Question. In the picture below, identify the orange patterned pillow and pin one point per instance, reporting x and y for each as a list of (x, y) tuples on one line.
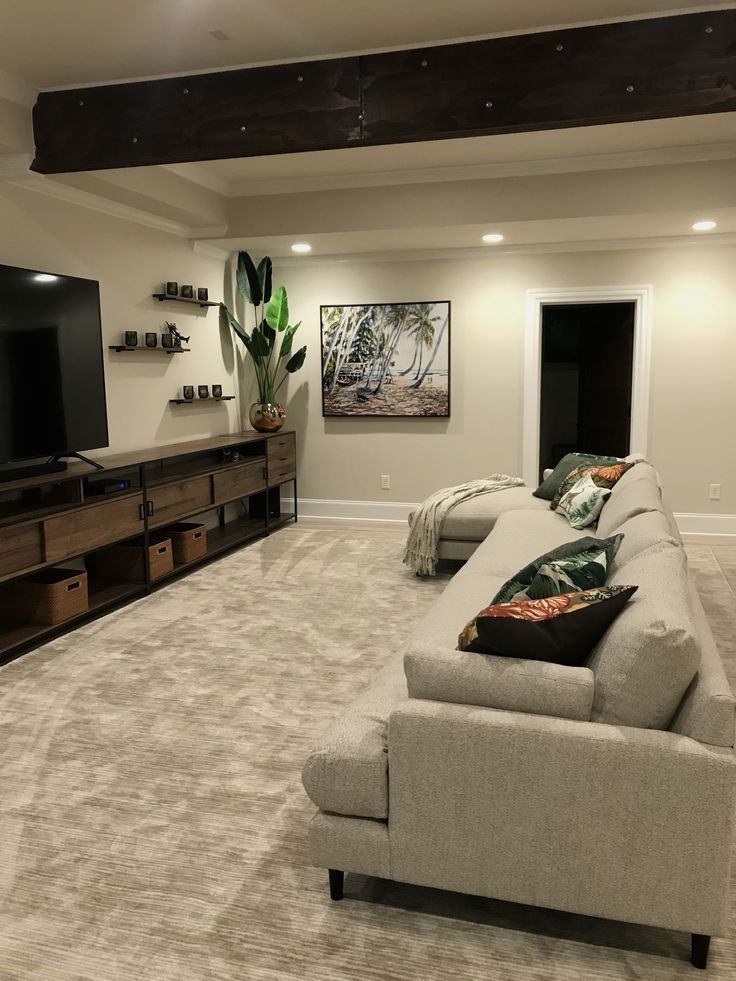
[(605, 476), (562, 629)]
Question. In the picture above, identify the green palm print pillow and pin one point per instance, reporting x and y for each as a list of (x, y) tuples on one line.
[(584, 563)]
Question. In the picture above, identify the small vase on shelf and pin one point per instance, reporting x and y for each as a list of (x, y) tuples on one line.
[(266, 417)]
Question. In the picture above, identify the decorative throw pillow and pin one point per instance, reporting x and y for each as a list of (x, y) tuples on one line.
[(605, 476), (585, 563), (550, 485), (562, 629), (583, 502)]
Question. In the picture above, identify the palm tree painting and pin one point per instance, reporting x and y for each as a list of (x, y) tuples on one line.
[(386, 359)]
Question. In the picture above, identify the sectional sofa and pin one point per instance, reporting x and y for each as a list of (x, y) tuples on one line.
[(607, 789)]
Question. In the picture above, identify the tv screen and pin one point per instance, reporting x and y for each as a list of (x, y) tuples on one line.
[(52, 379)]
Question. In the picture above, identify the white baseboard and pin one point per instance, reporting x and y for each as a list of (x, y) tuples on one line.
[(395, 511), (710, 528)]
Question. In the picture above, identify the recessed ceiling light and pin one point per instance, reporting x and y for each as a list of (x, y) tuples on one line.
[(301, 247), (704, 226), (493, 237), (45, 278)]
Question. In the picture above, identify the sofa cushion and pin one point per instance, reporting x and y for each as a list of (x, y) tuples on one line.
[(642, 532), (635, 497), (517, 538), (708, 710), (560, 629), (585, 561), (649, 655), (347, 773), (473, 520), (551, 484), (512, 684)]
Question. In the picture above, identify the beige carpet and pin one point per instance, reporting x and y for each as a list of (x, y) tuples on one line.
[(152, 820)]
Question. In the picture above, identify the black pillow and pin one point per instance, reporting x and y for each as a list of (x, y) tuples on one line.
[(560, 629), (550, 485)]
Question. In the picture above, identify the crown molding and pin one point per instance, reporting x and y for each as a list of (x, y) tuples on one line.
[(197, 173), (85, 199), (17, 90), (494, 251), (15, 166), (213, 251), (465, 172)]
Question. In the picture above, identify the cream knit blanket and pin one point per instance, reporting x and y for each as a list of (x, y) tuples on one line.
[(420, 553)]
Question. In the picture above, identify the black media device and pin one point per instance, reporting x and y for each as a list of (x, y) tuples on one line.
[(107, 486), (52, 379)]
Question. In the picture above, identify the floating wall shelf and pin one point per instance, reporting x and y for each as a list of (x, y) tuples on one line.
[(222, 398), (161, 297), (166, 350)]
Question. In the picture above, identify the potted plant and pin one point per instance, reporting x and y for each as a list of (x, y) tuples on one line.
[(271, 318)]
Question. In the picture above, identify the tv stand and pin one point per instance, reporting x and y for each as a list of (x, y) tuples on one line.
[(75, 456), (30, 470), (232, 484)]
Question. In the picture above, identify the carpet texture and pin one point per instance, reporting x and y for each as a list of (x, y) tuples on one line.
[(153, 823)]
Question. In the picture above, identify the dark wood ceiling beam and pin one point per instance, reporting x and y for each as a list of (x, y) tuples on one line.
[(635, 70)]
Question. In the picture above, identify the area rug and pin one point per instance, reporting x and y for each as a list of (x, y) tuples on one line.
[(152, 819)]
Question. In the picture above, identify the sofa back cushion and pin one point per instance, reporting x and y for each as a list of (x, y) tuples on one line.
[(649, 655), (642, 532), (707, 711), (628, 498)]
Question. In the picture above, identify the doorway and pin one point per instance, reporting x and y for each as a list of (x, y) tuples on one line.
[(638, 298), (587, 361)]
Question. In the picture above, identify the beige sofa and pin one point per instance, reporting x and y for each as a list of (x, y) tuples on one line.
[(607, 790)]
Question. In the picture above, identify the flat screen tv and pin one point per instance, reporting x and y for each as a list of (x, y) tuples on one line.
[(52, 378)]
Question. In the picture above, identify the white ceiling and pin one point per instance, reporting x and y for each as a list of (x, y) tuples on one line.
[(688, 138), (58, 43)]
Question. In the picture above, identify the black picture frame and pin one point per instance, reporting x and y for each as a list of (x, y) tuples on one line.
[(328, 411), (187, 293), (203, 294), (172, 289)]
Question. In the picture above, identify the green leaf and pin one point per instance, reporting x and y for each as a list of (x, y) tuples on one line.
[(249, 282), (270, 334), (296, 360), (260, 344), (240, 331), (286, 344), (265, 268), (277, 311)]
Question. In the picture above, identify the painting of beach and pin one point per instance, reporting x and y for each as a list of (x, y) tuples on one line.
[(386, 359)]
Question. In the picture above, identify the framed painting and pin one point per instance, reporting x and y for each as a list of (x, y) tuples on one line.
[(386, 359)]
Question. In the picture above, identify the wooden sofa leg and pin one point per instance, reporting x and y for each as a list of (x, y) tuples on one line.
[(337, 878), (700, 946)]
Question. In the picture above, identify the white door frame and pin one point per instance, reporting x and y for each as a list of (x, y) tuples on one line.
[(535, 300)]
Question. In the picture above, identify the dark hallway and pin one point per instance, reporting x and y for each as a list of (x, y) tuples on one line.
[(586, 379)]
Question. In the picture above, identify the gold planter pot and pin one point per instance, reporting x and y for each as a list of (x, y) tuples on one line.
[(266, 417)]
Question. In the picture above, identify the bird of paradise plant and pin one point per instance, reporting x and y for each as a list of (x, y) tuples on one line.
[(271, 317)]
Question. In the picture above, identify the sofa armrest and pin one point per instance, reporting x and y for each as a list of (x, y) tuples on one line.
[(507, 683), (609, 821)]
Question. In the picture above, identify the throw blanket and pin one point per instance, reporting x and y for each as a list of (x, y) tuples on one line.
[(420, 553)]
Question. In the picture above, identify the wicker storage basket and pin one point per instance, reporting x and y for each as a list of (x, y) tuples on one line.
[(189, 540), (47, 597), (124, 562)]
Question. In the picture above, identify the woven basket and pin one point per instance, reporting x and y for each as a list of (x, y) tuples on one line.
[(47, 597)]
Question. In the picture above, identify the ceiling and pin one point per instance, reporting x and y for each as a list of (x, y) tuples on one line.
[(90, 41), (581, 148)]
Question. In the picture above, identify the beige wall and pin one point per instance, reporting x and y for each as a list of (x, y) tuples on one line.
[(693, 391), (131, 261)]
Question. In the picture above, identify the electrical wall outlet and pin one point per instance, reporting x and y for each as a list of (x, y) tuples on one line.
[(385, 481), (714, 492)]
